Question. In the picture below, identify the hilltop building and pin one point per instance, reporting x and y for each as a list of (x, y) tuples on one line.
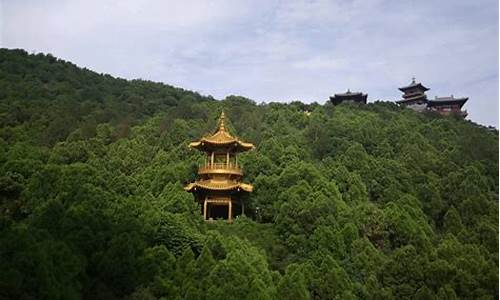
[(220, 185), (415, 98), (448, 105), (349, 97)]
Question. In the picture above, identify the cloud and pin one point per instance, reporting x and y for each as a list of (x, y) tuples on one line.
[(319, 63), (275, 50)]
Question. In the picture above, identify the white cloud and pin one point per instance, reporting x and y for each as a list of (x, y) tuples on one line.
[(319, 63)]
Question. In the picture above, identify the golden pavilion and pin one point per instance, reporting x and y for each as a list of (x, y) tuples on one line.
[(219, 186)]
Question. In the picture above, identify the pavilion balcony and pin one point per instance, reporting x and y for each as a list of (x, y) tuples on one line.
[(220, 168)]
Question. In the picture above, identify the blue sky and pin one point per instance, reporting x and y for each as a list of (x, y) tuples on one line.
[(275, 50)]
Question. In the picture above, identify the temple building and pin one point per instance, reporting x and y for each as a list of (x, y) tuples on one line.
[(448, 105), (414, 96), (219, 187), (349, 97)]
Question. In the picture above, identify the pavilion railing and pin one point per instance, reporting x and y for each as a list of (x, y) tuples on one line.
[(233, 168)]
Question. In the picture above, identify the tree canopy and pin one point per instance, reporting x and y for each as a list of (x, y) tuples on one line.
[(350, 201)]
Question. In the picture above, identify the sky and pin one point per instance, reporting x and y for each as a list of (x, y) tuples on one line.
[(275, 50)]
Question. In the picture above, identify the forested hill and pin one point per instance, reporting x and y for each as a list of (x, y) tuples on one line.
[(349, 202)]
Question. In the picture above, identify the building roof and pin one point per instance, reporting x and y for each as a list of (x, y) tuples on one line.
[(353, 96), (413, 85), (221, 138), (218, 185), (422, 97), (350, 94), (437, 101)]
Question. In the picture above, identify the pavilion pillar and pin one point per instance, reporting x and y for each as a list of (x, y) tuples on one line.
[(212, 159), (230, 212), (227, 158), (242, 208), (205, 209)]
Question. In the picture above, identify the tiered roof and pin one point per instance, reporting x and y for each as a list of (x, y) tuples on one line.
[(221, 138), (221, 177), (414, 85), (413, 93)]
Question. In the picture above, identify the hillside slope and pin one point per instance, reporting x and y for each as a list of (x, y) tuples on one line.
[(367, 202)]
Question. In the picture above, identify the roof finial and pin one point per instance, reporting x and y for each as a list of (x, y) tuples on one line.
[(222, 126), (348, 91), (413, 79)]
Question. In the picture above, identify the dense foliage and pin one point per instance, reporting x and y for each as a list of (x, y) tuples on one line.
[(368, 202)]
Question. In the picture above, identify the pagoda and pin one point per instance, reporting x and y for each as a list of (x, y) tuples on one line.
[(349, 97), (414, 95), (415, 98), (219, 187), (448, 105)]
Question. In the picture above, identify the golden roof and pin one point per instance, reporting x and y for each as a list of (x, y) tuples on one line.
[(216, 185), (221, 138)]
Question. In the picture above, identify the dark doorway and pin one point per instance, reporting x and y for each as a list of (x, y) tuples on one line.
[(218, 212)]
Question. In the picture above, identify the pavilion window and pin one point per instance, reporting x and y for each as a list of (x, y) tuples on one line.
[(220, 158), (232, 160)]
